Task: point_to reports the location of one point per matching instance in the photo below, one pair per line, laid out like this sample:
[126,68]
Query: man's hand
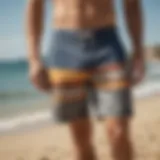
[39,77]
[34,28]
[137,69]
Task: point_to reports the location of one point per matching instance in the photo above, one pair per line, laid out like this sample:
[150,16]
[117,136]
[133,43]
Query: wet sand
[54,142]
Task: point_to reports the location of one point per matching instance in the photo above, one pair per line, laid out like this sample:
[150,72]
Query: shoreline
[47,141]
[43,117]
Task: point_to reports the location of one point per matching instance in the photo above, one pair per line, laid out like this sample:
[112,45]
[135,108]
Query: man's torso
[75,14]
[85,60]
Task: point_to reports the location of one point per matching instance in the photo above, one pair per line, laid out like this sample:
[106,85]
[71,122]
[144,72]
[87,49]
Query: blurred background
[23,108]
[20,104]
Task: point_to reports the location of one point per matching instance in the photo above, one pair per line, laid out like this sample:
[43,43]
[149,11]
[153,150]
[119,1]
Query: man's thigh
[113,92]
[69,94]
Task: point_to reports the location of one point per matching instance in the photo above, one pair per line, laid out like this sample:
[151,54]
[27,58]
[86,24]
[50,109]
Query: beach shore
[54,142]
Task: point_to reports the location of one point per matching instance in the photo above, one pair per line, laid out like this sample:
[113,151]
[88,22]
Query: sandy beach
[54,142]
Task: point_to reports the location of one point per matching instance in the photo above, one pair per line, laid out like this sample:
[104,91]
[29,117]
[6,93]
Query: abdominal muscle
[79,14]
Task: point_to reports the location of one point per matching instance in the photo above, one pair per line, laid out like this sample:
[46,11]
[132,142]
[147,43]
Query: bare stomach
[77,14]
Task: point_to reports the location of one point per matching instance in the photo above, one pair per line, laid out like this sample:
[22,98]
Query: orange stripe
[113,85]
[60,76]
[110,67]
[68,84]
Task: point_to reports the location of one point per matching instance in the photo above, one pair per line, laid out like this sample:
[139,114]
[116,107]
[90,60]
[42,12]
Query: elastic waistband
[100,29]
[107,31]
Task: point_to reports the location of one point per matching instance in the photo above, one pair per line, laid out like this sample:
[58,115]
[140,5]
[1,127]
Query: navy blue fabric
[83,49]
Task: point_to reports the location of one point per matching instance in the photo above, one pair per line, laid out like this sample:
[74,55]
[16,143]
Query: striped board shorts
[89,73]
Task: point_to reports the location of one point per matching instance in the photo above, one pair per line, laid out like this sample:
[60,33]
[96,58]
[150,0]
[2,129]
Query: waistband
[107,30]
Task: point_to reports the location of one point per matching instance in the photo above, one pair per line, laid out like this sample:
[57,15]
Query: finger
[39,85]
[41,88]
[137,80]
[41,82]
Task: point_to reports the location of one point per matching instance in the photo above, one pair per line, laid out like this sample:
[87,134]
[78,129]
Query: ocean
[22,106]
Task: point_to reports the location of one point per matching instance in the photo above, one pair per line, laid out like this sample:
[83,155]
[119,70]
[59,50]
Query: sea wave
[22,121]
[145,89]
[148,88]
[17,94]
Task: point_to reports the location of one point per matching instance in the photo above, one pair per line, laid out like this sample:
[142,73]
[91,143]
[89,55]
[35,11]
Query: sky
[12,37]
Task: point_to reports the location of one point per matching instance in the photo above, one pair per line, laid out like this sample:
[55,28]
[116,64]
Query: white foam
[24,120]
[147,89]
[143,90]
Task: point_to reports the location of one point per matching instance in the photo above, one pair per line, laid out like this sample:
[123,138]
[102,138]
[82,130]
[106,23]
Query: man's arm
[34,27]
[133,15]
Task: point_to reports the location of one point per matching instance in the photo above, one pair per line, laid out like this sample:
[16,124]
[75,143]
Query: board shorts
[89,73]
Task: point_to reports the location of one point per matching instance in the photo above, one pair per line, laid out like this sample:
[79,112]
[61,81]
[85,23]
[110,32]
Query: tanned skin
[87,14]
